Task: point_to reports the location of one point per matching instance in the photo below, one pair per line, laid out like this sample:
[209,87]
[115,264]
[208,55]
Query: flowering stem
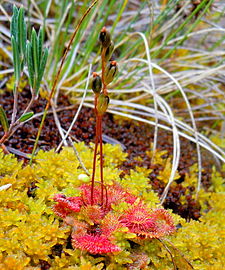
[99,120]
[103,70]
[95,151]
[101,158]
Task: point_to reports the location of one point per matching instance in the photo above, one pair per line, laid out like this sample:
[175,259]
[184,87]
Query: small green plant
[25,53]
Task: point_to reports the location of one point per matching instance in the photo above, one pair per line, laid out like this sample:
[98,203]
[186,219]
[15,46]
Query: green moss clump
[31,234]
[203,240]
[9,166]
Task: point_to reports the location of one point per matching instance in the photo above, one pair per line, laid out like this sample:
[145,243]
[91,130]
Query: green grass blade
[3,119]
[197,21]
[182,26]
[26,116]
[40,44]
[22,36]
[16,59]
[56,49]
[14,23]
[41,69]
[30,64]
[120,12]
[165,13]
[34,45]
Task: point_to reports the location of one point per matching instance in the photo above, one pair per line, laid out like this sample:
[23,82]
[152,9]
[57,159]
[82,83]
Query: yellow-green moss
[203,241]
[29,230]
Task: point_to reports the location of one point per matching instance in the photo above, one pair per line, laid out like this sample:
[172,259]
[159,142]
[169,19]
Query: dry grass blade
[175,161]
[149,62]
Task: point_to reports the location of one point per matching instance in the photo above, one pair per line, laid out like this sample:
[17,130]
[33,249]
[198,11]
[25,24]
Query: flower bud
[105,38]
[102,104]
[109,51]
[96,84]
[111,72]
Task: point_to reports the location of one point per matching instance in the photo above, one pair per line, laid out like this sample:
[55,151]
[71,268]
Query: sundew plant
[96,215]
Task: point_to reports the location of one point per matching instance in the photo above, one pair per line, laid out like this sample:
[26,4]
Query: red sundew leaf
[66,205]
[61,211]
[137,219]
[129,198]
[79,228]
[95,244]
[93,213]
[110,224]
[117,194]
[148,224]
[164,224]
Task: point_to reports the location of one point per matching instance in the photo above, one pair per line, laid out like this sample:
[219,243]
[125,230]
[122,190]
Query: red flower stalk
[99,87]
[95,244]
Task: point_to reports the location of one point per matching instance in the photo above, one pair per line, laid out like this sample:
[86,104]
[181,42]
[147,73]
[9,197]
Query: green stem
[15,103]
[38,135]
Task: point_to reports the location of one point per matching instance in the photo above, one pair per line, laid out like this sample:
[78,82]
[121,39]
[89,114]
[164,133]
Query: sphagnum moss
[31,233]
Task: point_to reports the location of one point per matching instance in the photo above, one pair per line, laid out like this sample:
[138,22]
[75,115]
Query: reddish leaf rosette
[94,225]
[95,244]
